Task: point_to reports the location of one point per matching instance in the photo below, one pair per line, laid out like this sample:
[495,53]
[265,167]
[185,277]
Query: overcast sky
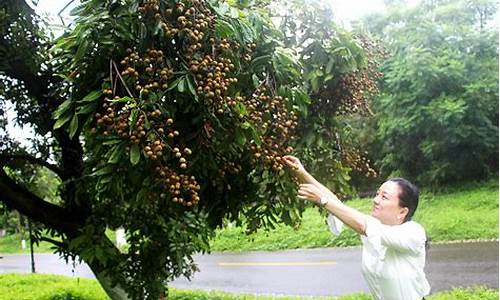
[345,10]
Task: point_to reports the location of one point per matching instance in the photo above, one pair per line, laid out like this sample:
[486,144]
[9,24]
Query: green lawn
[12,244]
[54,287]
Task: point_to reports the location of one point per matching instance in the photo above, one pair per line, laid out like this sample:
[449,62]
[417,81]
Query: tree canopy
[166,117]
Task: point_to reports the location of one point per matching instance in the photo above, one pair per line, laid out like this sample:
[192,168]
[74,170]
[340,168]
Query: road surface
[315,272]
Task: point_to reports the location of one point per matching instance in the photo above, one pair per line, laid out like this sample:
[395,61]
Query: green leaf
[233,13]
[260,62]
[115,154]
[220,8]
[82,49]
[329,66]
[255,80]
[240,136]
[103,171]
[111,142]
[157,27]
[132,119]
[87,108]
[191,88]
[61,109]
[245,125]
[123,99]
[73,126]
[123,31]
[135,154]
[92,96]
[174,84]
[256,136]
[328,77]
[141,195]
[63,120]
[180,85]
[223,29]
[315,84]
[241,109]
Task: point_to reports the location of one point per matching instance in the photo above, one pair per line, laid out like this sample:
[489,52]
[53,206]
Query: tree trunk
[116,292]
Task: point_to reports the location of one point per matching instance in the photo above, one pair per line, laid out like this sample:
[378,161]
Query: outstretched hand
[294,164]
[310,192]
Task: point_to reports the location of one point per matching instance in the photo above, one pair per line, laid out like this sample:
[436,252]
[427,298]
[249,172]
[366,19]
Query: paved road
[318,272]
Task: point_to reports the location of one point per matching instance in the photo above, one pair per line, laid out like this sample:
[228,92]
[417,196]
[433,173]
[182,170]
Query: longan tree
[165,118]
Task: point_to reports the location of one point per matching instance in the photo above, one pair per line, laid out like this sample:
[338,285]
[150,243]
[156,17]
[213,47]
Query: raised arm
[312,190]
[299,172]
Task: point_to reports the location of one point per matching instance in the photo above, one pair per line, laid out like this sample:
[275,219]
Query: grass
[55,287]
[12,244]
[461,213]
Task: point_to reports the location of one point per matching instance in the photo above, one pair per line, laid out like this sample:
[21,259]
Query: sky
[344,11]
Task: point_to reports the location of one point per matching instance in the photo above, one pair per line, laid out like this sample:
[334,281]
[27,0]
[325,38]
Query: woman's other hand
[310,192]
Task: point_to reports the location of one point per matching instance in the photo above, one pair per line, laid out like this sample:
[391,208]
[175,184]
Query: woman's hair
[408,197]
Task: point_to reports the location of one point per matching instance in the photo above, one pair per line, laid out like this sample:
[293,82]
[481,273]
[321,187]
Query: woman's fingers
[308,186]
[309,192]
[291,161]
[290,158]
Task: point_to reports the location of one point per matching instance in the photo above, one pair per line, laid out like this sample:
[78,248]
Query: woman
[393,245]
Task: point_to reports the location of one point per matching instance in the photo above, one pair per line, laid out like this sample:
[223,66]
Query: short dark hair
[408,196]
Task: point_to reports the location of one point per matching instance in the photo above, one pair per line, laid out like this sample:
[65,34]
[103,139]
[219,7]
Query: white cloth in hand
[334,224]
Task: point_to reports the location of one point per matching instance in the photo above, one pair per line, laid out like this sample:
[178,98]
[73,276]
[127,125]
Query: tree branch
[52,241]
[22,200]
[7,158]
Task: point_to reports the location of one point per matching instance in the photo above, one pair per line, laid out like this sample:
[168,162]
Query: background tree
[164,118]
[437,114]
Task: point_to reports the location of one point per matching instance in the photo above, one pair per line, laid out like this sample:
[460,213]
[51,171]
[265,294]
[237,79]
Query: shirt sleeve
[408,237]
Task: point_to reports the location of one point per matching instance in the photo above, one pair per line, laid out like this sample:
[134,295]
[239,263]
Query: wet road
[317,272]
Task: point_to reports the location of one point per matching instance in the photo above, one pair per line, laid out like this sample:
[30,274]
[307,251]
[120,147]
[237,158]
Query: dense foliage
[165,117]
[437,114]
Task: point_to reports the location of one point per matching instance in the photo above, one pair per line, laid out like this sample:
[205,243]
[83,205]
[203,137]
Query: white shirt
[393,259]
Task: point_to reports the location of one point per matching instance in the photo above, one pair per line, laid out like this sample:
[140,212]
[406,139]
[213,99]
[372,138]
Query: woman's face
[386,204]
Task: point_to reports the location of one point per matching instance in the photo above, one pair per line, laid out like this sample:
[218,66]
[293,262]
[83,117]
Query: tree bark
[116,292]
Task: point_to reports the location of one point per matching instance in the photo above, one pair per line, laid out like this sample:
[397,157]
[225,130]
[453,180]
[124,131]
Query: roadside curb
[463,241]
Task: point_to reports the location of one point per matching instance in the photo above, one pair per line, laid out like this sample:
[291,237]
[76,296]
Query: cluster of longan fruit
[359,162]
[271,115]
[230,168]
[146,72]
[183,189]
[188,23]
[213,80]
[352,92]
[247,55]
[152,6]
[156,136]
